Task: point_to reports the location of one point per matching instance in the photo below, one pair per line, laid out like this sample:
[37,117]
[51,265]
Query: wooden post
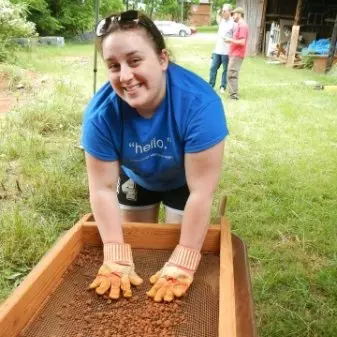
[332,47]
[294,35]
[298,13]
[227,314]
[262,26]
[293,46]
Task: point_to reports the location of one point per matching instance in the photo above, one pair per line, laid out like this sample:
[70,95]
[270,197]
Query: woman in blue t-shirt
[153,133]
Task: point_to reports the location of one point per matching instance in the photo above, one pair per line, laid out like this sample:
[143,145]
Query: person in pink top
[237,51]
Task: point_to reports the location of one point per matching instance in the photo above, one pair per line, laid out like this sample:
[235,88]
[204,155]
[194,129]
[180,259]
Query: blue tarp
[320,47]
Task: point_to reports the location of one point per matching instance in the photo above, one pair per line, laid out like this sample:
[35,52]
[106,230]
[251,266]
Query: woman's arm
[203,170]
[103,177]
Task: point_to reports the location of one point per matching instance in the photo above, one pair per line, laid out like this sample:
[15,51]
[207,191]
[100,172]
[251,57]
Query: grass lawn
[208,29]
[280,173]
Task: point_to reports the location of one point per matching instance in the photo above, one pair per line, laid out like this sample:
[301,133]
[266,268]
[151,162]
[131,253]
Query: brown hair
[127,21]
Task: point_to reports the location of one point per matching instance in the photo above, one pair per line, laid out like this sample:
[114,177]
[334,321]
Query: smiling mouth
[132,88]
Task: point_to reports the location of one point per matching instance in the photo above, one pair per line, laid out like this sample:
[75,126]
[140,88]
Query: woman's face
[136,71]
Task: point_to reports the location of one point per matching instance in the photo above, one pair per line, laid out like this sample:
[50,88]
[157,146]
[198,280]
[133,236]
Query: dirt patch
[10,97]
[3,82]
[6,98]
[6,102]
[74,311]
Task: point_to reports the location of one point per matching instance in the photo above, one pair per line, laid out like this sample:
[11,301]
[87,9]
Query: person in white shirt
[221,51]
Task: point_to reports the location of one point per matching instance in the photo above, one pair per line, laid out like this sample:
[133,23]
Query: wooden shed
[314,18]
[200,14]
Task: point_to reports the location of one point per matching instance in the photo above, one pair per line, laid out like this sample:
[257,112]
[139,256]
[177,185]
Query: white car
[173,28]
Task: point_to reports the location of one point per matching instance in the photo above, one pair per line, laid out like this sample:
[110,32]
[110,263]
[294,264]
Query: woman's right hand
[117,272]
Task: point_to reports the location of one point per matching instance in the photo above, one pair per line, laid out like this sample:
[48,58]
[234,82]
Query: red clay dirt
[74,311]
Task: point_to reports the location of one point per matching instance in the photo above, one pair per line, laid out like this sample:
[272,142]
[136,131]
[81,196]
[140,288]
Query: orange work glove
[176,276]
[117,272]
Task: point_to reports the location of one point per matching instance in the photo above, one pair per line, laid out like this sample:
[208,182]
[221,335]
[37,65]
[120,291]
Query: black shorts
[133,196]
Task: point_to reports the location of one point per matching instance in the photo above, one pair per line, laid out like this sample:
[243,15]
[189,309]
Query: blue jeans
[217,60]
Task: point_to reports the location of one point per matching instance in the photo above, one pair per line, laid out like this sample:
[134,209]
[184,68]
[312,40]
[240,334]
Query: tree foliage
[71,17]
[169,9]
[40,13]
[13,23]
[217,4]
[66,17]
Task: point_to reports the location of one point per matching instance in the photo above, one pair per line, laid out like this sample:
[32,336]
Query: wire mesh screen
[74,311]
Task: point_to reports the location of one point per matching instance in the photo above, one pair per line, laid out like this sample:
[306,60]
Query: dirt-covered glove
[117,272]
[176,276]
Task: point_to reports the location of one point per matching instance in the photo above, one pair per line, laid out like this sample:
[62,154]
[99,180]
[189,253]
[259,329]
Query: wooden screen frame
[236,316]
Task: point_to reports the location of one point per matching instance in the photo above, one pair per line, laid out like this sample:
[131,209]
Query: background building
[201,13]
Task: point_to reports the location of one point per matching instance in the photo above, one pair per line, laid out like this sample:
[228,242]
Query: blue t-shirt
[151,151]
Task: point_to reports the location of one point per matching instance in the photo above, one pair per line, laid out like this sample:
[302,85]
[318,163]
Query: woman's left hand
[174,279]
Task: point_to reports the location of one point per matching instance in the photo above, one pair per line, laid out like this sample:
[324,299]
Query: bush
[13,24]
[308,62]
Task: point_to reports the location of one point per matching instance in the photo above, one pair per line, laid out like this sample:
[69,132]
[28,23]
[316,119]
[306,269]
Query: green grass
[207,29]
[279,173]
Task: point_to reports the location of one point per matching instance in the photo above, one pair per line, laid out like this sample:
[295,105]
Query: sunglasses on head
[104,25]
